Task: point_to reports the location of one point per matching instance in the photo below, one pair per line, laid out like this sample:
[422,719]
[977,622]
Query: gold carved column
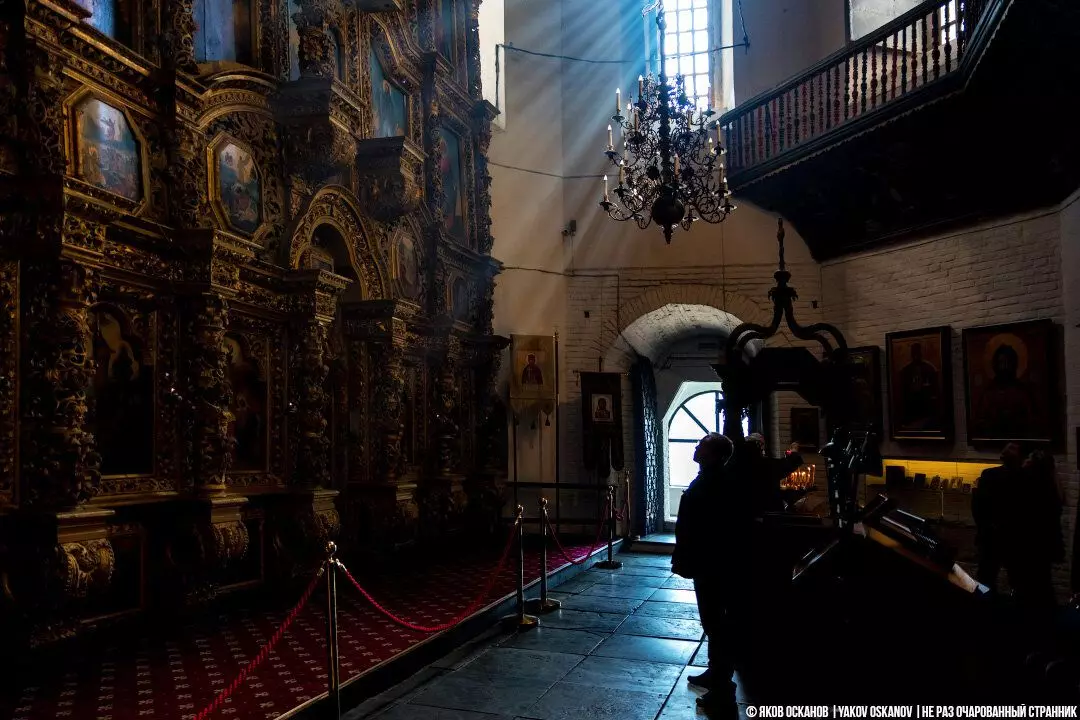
[309,519]
[386,498]
[316,51]
[65,556]
[211,535]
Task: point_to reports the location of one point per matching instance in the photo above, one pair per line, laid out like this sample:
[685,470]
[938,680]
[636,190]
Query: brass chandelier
[671,168]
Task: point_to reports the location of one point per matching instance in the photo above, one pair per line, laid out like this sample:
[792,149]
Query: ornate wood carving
[9,381]
[390,172]
[409,386]
[316,49]
[209,394]
[61,467]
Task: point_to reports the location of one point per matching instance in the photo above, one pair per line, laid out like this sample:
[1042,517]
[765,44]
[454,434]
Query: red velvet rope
[590,551]
[264,653]
[472,607]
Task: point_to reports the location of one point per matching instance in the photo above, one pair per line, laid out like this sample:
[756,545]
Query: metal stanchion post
[333,679]
[520,621]
[611,563]
[543,604]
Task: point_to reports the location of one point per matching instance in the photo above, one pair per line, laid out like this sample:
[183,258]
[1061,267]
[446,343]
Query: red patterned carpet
[174,677]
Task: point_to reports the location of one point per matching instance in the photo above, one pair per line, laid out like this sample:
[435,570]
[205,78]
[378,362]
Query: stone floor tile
[594,603]
[582,620]
[632,592]
[679,596]
[652,649]
[623,674]
[679,583]
[661,627]
[569,701]
[551,639]
[503,695]
[667,609]
[520,662]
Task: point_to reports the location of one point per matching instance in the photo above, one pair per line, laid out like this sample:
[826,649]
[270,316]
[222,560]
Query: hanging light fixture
[671,169]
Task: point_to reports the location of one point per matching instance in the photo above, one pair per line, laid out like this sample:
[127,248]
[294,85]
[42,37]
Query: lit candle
[635,118]
[676,164]
[640,87]
[610,139]
[712,150]
[689,117]
[605,189]
[618,101]
[622,175]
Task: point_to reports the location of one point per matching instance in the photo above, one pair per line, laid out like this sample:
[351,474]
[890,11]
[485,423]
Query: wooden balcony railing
[900,61]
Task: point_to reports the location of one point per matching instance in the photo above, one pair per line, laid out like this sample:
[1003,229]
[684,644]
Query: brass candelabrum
[801,479]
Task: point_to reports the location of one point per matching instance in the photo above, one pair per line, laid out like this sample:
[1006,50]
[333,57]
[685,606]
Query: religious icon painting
[102,15]
[1009,375]
[107,151]
[239,187]
[450,167]
[247,358]
[389,105]
[444,29]
[121,391]
[866,411]
[407,264]
[602,408]
[532,370]
[920,384]
[459,299]
[805,427]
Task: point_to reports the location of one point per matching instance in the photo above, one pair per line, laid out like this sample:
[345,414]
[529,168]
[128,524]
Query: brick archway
[664,314]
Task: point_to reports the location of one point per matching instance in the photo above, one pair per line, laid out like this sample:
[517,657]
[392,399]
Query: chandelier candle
[670,170]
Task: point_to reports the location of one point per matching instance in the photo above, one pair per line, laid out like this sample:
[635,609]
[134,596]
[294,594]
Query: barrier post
[544,604]
[611,563]
[520,621]
[333,679]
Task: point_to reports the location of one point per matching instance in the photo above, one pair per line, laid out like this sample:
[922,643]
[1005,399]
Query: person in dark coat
[714,526]
[1017,511]
[1034,540]
[990,502]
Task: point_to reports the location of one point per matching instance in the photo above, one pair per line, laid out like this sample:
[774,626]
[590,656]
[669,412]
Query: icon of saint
[531,374]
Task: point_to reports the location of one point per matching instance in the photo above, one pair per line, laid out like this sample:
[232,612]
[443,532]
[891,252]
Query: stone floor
[621,648]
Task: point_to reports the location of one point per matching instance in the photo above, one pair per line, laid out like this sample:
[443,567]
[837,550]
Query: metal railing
[918,50]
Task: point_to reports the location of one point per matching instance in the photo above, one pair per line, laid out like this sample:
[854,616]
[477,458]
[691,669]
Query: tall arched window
[700,415]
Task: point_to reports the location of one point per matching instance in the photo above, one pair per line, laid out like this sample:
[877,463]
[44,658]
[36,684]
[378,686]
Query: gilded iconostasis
[246,276]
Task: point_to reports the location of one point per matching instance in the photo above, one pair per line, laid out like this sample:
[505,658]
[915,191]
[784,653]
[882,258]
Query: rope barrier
[472,607]
[590,551]
[264,652]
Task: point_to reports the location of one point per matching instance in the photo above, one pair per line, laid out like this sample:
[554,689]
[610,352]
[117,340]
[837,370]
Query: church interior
[374,382]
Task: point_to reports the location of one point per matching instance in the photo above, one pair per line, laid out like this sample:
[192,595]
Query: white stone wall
[1007,271]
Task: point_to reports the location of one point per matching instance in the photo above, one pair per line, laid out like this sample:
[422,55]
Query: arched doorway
[697,410]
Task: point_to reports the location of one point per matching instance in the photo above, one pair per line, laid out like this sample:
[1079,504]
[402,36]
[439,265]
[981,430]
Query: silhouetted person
[919,380]
[531,374]
[990,510]
[1035,541]
[712,547]
[706,534]
[1017,510]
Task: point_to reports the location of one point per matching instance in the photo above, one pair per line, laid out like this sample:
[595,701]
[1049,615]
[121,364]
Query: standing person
[714,529]
[702,550]
[990,508]
[1034,541]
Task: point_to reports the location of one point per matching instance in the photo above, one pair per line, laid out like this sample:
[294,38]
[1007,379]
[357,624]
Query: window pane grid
[687,48]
